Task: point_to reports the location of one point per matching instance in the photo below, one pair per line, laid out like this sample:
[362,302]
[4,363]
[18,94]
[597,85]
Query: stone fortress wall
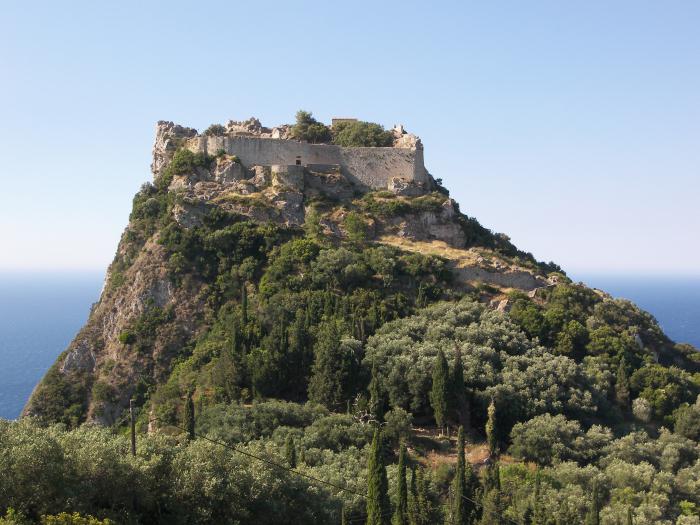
[373,167]
[400,166]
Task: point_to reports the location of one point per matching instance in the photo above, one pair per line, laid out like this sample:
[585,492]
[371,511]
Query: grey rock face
[228,170]
[407,188]
[169,137]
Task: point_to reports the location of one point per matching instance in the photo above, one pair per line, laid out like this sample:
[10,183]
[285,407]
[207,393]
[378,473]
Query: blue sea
[41,313]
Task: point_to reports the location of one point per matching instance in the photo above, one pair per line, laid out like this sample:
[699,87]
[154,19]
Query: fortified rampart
[373,167]
[400,166]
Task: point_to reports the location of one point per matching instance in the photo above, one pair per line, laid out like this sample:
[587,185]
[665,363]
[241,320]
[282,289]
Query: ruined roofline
[254,129]
[254,145]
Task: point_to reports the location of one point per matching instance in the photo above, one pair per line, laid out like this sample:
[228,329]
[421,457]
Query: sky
[573,127]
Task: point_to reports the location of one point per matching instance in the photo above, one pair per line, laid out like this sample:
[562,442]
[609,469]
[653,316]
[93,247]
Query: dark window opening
[298,161]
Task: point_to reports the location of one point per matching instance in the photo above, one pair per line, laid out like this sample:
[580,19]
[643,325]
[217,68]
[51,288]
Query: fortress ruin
[376,168]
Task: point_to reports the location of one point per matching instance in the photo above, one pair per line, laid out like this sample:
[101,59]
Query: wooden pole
[133,427]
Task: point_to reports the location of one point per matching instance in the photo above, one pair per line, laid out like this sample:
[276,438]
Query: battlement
[254,145]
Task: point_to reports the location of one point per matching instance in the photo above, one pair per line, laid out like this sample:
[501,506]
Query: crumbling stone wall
[372,167]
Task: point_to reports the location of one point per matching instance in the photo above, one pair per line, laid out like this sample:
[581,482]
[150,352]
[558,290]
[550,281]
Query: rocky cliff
[210,230]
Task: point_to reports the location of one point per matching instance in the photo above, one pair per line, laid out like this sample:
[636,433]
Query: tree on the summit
[309,129]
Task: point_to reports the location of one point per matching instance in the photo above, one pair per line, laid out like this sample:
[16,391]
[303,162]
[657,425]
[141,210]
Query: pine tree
[460,406]
[378,506]
[290,452]
[622,386]
[401,510]
[376,400]
[189,415]
[492,429]
[440,393]
[593,515]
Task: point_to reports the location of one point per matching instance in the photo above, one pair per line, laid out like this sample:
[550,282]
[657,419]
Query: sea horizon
[42,311]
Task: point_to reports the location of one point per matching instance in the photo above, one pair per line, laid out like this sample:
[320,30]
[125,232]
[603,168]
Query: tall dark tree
[439,393]
[492,429]
[300,356]
[459,514]
[492,504]
[244,304]
[419,508]
[331,370]
[290,451]
[188,417]
[459,395]
[593,515]
[622,386]
[538,517]
[378,505]
[376,399]
[401,511]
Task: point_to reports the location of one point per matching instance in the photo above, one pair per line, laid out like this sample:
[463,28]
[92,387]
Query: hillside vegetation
[321,372]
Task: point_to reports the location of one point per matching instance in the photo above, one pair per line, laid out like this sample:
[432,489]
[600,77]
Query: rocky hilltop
[217,239]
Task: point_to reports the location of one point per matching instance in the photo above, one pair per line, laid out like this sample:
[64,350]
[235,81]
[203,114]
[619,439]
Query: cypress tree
[413,510]
[440,393]
[329,373]
[378,506]
[376,401]
[537,510]
[290,452]
[401,510]
[630,521]
[244,304]
[491,503]
[622,386]
[419,504]
[189,415]
[593,515]
[492,429]
[459,398]
[459,510]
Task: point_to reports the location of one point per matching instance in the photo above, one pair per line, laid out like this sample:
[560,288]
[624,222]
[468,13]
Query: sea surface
[41,313]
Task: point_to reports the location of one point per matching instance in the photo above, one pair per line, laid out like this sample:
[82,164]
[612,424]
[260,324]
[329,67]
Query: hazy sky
[574,127]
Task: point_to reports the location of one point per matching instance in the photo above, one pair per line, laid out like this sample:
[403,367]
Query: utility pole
[133,427]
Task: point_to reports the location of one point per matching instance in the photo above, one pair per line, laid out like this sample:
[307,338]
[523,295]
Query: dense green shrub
[215,129]
[361,134]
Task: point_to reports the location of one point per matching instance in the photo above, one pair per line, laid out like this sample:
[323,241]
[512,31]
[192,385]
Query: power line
[269,462]
[308,476]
